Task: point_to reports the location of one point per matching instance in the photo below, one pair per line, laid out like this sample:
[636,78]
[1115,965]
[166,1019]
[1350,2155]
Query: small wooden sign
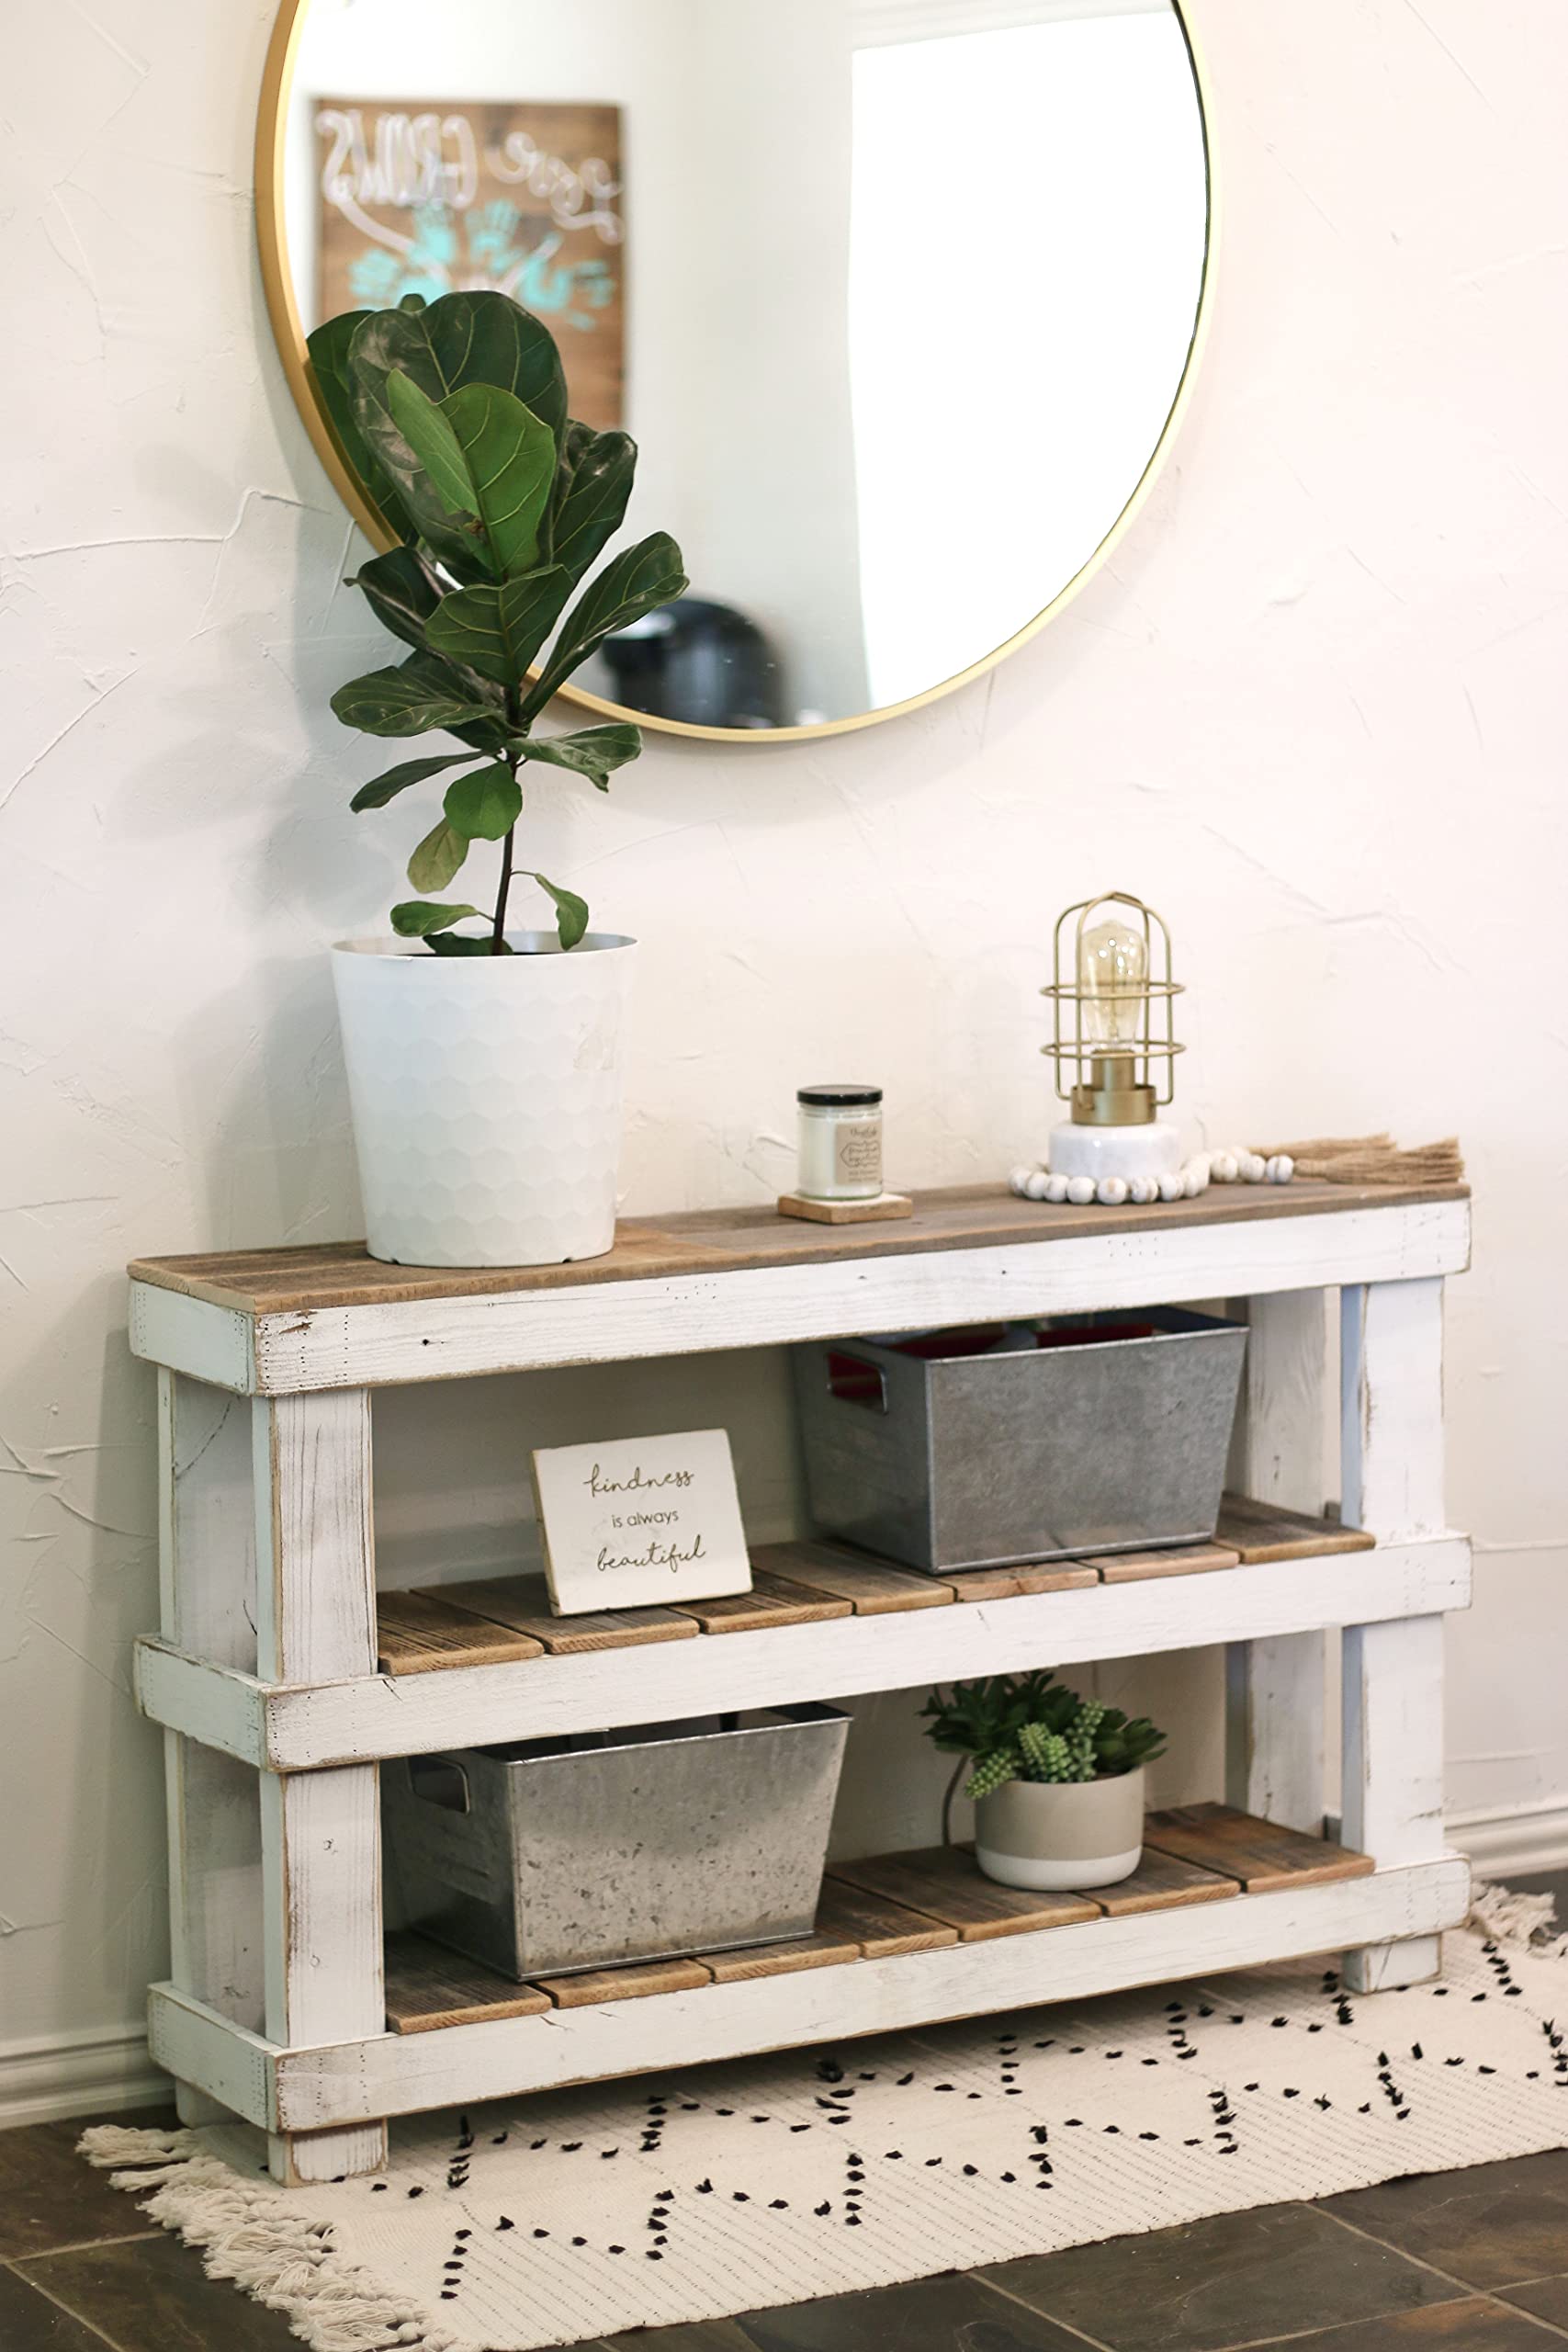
[641,1519]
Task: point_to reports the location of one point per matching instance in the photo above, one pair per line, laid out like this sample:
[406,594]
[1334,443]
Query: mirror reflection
[895,295]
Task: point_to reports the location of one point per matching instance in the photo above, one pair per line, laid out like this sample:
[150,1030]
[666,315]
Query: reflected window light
[1028,231]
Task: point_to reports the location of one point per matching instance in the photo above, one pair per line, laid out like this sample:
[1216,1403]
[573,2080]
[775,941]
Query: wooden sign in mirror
[900,298]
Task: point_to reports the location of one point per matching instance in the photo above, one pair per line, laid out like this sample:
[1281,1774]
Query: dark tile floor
[1475,2261]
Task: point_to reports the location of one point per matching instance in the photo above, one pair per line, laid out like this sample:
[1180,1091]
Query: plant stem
[958,1771]
[498,934]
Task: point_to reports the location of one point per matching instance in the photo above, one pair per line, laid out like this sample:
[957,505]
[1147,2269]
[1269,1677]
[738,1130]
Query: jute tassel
[1373,1159]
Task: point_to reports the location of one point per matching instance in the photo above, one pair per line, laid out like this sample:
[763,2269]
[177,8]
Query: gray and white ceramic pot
[1049,1836]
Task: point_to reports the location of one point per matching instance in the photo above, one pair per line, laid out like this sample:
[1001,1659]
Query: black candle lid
[840,1098]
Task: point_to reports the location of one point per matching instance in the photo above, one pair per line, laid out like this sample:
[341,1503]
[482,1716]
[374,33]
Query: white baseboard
[98,2070]
[1517,1841]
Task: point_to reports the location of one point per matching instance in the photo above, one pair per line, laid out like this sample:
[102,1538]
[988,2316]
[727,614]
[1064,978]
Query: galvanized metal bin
[552,1855]
[1083,1434]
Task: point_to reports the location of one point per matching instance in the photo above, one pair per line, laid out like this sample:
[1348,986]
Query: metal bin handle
[853,1381]
[439,1780]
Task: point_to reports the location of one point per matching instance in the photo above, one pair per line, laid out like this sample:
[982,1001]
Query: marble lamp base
[1152,1150]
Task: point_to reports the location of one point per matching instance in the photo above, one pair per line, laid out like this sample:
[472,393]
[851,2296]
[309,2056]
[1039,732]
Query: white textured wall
[1315,709]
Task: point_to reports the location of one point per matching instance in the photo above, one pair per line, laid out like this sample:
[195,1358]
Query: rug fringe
[253,2237]
[1510,1917]
[107,2145]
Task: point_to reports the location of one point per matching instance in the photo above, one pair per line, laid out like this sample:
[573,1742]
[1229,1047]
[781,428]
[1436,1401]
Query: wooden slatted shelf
[946,1884]
[452,1676]
[712,1242]
[1260,1856]
[294,1322]
[428,1986]
[522,1605]
[924,1901]
[1263,1532]
[879,1929]
[769,1604]
[270,1651]
[1188,1560]
[509,1618]
[419,1632]
[337,2086]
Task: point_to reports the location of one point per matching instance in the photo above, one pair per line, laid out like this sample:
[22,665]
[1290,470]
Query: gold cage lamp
[1113,1040]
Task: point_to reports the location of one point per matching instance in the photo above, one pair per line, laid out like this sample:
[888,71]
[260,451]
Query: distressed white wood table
[276,1718]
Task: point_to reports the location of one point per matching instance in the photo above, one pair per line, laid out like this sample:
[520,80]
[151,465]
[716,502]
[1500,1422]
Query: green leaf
[469,338]
[497,631]
[487,458]
[461,942]
[572,912]
[637,582]
[510,454]
[594,506]
[438,857]
[328,350]
[530,607]
[595,751]
[401,590]
[484,804]
[400,702]
[490,732]
[382,789]
[487,338]
[466,628]
[417,918]
[575,441]
[426,428]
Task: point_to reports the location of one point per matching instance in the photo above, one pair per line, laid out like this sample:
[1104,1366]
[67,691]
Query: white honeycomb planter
[487,1097]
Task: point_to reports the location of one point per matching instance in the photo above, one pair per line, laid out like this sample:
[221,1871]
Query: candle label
[857,1151]
[641,1519]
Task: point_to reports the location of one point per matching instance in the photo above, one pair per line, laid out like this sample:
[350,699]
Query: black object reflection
[700,662]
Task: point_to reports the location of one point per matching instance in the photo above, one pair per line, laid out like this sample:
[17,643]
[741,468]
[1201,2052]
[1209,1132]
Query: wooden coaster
[887,1205]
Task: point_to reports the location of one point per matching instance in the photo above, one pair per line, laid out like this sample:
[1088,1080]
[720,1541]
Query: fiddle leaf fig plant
[454,416]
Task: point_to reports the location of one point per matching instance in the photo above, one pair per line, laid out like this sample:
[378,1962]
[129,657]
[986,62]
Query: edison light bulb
[1113,965]
[1115,1133]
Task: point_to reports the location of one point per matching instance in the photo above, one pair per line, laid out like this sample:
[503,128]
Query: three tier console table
[281,1691]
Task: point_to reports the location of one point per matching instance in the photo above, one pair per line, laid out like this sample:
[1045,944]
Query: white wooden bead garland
[1235,1164]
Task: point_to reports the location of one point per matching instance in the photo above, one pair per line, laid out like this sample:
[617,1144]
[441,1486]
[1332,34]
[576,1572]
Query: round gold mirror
[900,298]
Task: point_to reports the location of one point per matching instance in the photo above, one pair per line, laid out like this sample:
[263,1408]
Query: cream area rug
[733,2188]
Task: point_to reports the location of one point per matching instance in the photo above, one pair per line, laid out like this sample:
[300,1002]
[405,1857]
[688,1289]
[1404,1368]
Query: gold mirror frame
[272,240]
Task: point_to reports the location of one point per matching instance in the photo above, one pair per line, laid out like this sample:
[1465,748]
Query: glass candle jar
[840,1143]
